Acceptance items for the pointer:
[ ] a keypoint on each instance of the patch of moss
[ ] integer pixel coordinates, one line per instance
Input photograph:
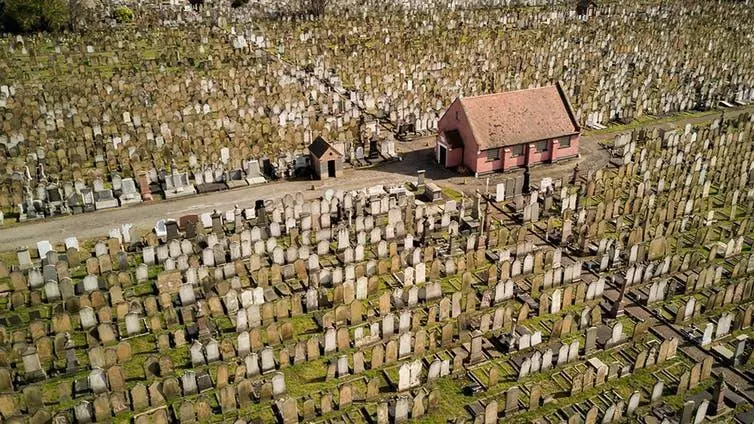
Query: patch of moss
(451, 193)
(143, 289)
(142, 344)
(303, 324)
(452, 401)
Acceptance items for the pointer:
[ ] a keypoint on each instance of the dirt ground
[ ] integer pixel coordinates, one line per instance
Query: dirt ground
(414, 155)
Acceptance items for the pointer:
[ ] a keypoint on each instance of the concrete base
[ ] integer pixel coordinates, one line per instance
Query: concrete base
(26, 218)
(38, 375)
(210, 187)
(236, 184)
(130, 200)
(184, 191)
(106, 204)
(256, 180)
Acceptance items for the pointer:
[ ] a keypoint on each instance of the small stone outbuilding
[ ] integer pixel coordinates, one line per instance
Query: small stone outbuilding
(327, 162)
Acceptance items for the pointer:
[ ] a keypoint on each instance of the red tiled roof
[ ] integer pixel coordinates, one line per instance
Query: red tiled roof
(522, 116)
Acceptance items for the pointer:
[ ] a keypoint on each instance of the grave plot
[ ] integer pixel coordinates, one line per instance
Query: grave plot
(610, 295)
(606, 296)
(113, 117)
(609, 65)
(195, 101)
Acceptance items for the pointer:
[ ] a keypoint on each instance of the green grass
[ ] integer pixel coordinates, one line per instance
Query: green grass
(143, 289)
(647, 120)
(9, 258)
(142, 344)
(452, 401)
(451, 193)
(303, 324)
(306, 378)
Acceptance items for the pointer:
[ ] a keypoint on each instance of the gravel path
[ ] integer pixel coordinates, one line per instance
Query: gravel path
(416, 154)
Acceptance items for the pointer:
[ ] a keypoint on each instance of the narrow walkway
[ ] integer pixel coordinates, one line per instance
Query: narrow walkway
(416, 154)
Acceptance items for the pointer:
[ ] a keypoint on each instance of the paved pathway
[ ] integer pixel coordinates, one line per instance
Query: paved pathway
(417, 154)
(144, 216)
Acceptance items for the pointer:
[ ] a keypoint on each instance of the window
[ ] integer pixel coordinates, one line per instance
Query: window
(541, 146)
(517, 150)
(492, 154)
(565, 142)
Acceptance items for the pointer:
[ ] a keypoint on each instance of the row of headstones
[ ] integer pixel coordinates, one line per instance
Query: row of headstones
(701, 279)
(737, 293)
(731, 194)
(129, 114)
(402, 345)
(660, 257)
(134, 324)
(718, 330)
(338, 367)
(651, 196)
(613, 413)
(288, 410)
(174, 250)
(578, 321)
(415, 343)
(159, 393)
(401, 80)
(539, 361)
(385, 328)
(554, 300)
(216, 252)
(334, 276)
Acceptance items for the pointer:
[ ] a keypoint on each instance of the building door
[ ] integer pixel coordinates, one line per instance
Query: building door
(443, 155)
(331, 168)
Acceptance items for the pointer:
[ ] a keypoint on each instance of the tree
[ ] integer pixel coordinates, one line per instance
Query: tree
(123, 15)
(74, 10)
(22, 15)
(34, 15)
(55, 15)
(314, 7)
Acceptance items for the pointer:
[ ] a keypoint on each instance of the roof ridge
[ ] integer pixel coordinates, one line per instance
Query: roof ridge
(500, 93)
(520, 116)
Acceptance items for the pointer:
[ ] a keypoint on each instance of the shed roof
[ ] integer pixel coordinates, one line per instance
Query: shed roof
(319, 147)
(523, 116)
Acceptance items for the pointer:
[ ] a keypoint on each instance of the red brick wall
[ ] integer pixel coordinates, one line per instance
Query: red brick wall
(455, 119)
(453, 156)
(533, 156)
(513, 161)
(569, 151)
(481, 165)
(530, 156)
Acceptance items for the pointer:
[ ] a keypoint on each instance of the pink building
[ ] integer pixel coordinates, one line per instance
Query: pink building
(497, 132)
